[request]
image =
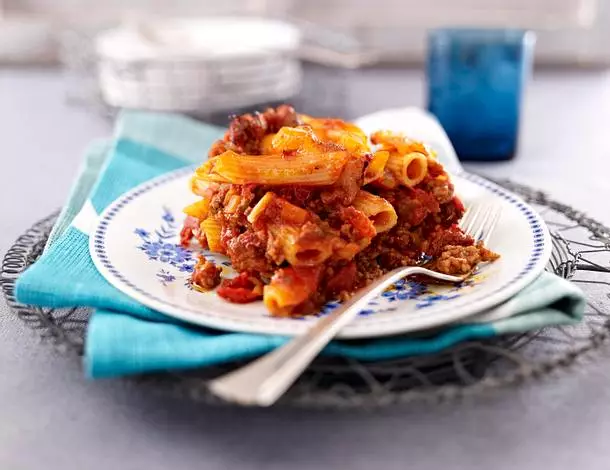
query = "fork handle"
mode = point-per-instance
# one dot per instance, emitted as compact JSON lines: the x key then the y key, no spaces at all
{"x":266,"y":379}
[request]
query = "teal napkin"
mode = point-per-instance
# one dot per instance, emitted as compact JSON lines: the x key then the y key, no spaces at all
{"x":124,"y":337}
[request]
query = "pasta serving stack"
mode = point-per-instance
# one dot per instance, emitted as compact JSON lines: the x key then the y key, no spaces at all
{"x":309,"y":210}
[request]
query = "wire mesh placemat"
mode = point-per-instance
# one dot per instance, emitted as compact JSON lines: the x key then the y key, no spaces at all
{"x":581,"y":252}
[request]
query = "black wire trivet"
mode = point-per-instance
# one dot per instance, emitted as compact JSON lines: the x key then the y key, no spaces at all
{"x":581,"y":252}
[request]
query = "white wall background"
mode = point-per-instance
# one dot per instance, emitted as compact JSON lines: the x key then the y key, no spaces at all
{"x":569,"y":31}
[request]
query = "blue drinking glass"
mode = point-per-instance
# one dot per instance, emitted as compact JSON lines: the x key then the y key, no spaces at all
{"x":476,"y":79}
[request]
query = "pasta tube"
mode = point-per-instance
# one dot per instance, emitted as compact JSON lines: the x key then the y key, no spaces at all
{"x":379,"y":211}
{"x":283,"y":211}
{"x":301,"y":248}
{"x":198,"y":209}
{"x":203,"y":188}
{"x":267,"y":144}
{"x":204,"y":174}
{"x":376,"y":166}
{"x":293,"y":138}
{"x":409,"y":169}
{"x":211,"y":227}
{"x":318,"y":169}
{"x":233,"y":204}
{"x":395,"y":141}
{"x":289,"y":288}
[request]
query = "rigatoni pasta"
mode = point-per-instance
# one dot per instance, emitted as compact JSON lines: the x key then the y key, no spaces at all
{"x":301,"y":247}
{"x":409,"y":169}
{"x":376,"y":167}
{"x":290,"y":288}
{"x":212,"y":227}
{"x":379,"y":211}
{"x":198,"y":209}
{"x":286,"y":212}
{"x":309,"y":210}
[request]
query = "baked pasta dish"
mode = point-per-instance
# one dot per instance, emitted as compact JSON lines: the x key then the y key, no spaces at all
{"x":310,"y":210}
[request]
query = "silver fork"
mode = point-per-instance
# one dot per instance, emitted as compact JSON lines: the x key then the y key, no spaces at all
{"x":264,"y":381}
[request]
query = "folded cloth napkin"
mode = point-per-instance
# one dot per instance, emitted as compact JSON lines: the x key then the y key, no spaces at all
{"x":124,"y":337}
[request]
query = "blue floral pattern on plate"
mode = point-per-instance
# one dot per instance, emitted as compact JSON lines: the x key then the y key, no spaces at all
{"x":165,"y":277}
{"x":159,"y":246}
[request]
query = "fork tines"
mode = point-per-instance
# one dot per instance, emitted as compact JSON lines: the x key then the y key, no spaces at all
{"x":480,"y":219}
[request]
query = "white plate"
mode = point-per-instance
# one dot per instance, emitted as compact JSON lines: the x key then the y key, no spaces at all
{"x":135,"y":248}
{"x":198,"y":64}
{"x":235,"y":39}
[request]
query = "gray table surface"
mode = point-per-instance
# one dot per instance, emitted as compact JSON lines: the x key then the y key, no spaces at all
{"x":51,"y":417}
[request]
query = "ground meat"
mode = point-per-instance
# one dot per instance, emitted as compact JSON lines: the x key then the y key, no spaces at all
{"x":206,"y":275}
{"x":217,"y":200}
{"x":406,"y":246}
{"x":297,"y":195}
{"x":282,"y":116}
{"x":367,"y":269}
{"x":236,"y":217}
{"x":401,"y":236}
{"x":247,"y":193}
{"x":228,"y":232}
{"x":248,"y":253}
{"x":435,"y":168}
{"x":340,"y":279}
{"x":391,"y":258}
{"x":189,"y":230}
{"x":221,"y":146}
{"x":412,"y":205}
{"x":441,"y":188}
{"x":275,"y":249}
{"x":398,"y":247}
{"x":461,"y":259}
{"x":347,"y":186}
{"x":451,"y":213}
{"x":435,"y":242}
{"x":322,"y":202}
{"x":353,"y":225}
{"x":246,"y":132}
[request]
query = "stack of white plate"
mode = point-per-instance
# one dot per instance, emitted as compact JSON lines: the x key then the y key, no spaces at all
{"x":199,"y":65}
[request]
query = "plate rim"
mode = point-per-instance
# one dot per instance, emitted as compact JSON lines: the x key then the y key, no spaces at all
{"x":388,"y":326}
